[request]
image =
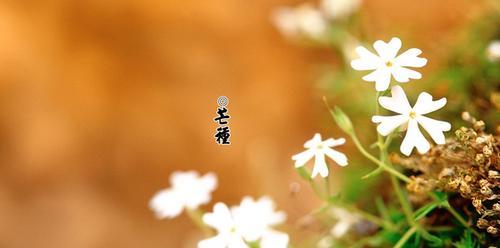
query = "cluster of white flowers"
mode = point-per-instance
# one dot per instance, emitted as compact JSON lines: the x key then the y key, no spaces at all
{"x":250,"y":222}
{"x":388,"y":64}
{"x":309,"y":21}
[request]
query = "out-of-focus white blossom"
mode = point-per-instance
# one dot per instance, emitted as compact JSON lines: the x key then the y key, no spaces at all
{"x":304,"y":20}
{"x":410,"y":117}
{"x":251,"y":221}
{"x":325,"y":242}
{"x":319,"y":149}
{"x":338,"y":9}
{"x":228,"y":233}
{"x":345,"y":220}
{"x":387,"y":63}
{"x":349,"y":48}
{"x":188,"y":191}
{"x":493,"y":51}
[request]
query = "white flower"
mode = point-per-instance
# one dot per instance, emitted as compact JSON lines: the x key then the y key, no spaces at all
{"x":338,"y":9}
{"x":345,"y":220}
{"x":228,"y":233}
{"x":387,"y":63}
{"x":493,"y":51}
{"x":302,"y":20}
{"x":188,"y":190}
{"x":410,"y":117}
{"x":318,"y":149}
{"x":251,"y":221}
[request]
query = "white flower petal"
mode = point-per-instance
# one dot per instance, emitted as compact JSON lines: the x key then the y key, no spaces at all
{"x":410,"y":58}
{"x":435,"y":128}
{"x":389,"y":123}
{"x":310,"y":21}
{"x":414,"y":138}
{"x":404,"y":75}
{"x":493,"y":51}
{"x":338,"y":9}
{"x":388,"y":51}
{"x":302,"y":158}
{"x":237,"y":242}
{"x":274,"y":239}
{"x":209,"y":181}
{"x":425,"y":104}
{"x":218,"y":241}
{"x":340,"y":229}
{"x":381,"y":77}
{"x":221,"y":218}
{"x":397,"y":102}
{"x":320,"y":166}
{"x":271,"y":217}
{"x":333,"y":142}
{"x":183,"y":178}
{"x":367,"y":60}
{"x":166,"y":204}
{"x":314,"y":141}
{"x":338,"y":157}
{"x":284,"y":19}
{"x":198,"y":191}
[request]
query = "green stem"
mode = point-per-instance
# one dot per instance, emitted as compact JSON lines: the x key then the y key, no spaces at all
{"x":196,"y":216}
{"x":370,"y":217}
{"x":315,"y":189}
{"x":405,"y":237}
{"x":327,"y":187}
{"x":395,"y":183}
{"x":365,"y":215}
{"x":403,"y":201}
{"x":462,"y":220}
{"x":376,"y":161}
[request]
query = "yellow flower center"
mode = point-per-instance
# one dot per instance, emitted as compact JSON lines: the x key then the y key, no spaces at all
{"x":388,"y":64}
{"x":413,"y":114}
{"x":320,"y":146}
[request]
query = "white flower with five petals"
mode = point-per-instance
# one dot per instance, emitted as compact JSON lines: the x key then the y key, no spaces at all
{"x":387,"y":63}
{"x":410,"y":117}
{"x":250,"y":222}
{"x":228,"y":233}
{"x":188,"y":190}
{"x":319,"y":149}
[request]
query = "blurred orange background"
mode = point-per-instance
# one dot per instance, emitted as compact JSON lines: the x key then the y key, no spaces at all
{"x":102,"y":100}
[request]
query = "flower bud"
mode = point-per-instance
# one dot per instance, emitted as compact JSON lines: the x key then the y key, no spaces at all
{"x":342,"y":120}
{"x":482,"y":223}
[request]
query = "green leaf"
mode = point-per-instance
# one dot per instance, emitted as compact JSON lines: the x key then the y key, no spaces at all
{"x":375,"y":172}
{"x":441,"y":196}
{"x":435,"y":241}
{"x":467,"y":241}
{"x":381,"y":208}
{"x":423,"y":211}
